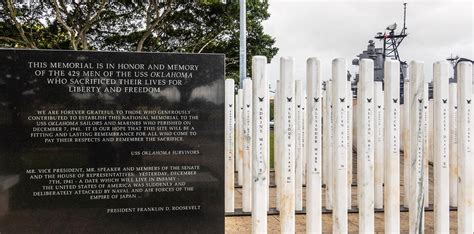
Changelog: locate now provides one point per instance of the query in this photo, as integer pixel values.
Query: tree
(134, 25)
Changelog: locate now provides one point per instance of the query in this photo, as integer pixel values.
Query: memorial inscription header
(111, 142)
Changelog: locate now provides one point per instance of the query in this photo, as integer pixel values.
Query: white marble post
(430, 131)
(247, 153)
(465, 151)
(276, 143)
(303, 131)
(378, 149)
(323, 138)
(349, 144)
(323, 116)
(471, 172)
(406, 143)
(239, 135)
(229, 145)
(426, 150)
(313, 146)
(287, 199)
(416, 197)
(327, 144)
(260, 141)
(339, 154)
(453, 143)
(441, 146)
(392, 146)
(365, 146)
(299, 145)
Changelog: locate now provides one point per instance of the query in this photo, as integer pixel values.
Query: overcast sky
(341, 29)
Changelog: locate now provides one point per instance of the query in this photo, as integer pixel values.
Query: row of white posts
(313, 145)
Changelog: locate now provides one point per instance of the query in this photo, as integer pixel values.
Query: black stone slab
(111, 142)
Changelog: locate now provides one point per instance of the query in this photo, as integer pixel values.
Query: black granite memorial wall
(111, 142)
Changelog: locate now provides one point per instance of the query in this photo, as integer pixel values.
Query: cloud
(329, 30)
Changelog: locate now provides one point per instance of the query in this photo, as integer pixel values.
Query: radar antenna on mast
(391, 40)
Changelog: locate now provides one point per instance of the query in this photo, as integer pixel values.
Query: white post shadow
(406, 143)
(365, 146)
(260, 141)
(416, 197)
(441, 146)
(378, 149)
(327, 144)
(349, 144)
(276, 142)
(313, 147)
(453, 143)
(339, 154)
(247, 153)
(239, 125)
(465, 151)
(229, 145)
(426, 146)
(299, 145)
(392, 146)
(287, 196)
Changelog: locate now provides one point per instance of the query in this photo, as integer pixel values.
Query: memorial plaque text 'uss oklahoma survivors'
(108, 142)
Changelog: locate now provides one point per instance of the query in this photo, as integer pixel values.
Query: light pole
(243, 43)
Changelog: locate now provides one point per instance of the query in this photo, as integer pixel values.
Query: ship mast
(391, 40)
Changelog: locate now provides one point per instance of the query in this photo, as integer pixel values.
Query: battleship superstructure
(391, 41)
